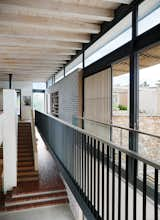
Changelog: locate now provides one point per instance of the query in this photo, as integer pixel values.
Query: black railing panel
(103, 187)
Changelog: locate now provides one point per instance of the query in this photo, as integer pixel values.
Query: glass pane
(148, 15)
(113, 39)
(38, 101)
(39, 85)
(18, 103)
(77, 63)
(149, 102)
(120, 102)
(59, 76)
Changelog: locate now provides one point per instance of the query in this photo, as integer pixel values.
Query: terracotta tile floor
(49, 177)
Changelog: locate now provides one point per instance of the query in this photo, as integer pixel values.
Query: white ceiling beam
(22, 57)
(59, 9)
(23, 42)
(48, 23)
(19, 72)
(35, 33)
(39, 51)
(119, 1)
(31, 61)
(30, 66)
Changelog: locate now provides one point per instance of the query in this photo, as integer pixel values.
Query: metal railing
(117, 126)
(35, 152)
(107, 190)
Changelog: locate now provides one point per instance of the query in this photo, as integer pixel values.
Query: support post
(134, 83)
(10, 81)
(9, 140)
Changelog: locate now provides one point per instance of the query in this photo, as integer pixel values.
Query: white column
(9, 140)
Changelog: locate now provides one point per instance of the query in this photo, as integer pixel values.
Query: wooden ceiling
(37, 37)
(147, 58)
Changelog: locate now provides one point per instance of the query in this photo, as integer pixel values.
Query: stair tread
(38, 204)
(29, 173)
(37, 197)
(27, 179)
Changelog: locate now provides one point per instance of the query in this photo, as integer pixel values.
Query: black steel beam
(148, 38)
(38, 90)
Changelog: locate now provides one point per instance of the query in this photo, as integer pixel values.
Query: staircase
(20, 201)
(26, 170)
(29, 194)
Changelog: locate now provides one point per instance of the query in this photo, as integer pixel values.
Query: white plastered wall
(26, 90)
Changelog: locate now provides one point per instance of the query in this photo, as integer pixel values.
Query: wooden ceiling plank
(35, 33)
(48, 23)
(23, 42)
(22, 56)
(119, 1)
(59, 9)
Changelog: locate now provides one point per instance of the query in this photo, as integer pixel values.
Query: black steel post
(64, 70)
(134, 108)
(10, 81)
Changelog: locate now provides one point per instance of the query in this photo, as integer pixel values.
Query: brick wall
(69, 96)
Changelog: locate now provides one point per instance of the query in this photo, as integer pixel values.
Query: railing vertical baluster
(91, 169)
(119, 185)
(102, 181)
(144, 190)
(82, 162)
(75, 155)
(98, 175)
(88, 168)
(156, 195)
(113, 184)
(135, 191)
(107, 183)
(85, 157)
(126, 190)
(95, 172)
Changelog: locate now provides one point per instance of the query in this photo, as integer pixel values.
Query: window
(149, 102)
(113, 39)
(148, 15)
(120, 102)
(59, 76)
(50, 82)
(38, 101)
(77, 63)
(55, 104)
(39, 85)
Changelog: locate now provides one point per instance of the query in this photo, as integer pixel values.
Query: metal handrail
(120, 127)
(130, 153)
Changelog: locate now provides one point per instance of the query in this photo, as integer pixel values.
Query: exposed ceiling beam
(23, 42)
(60, 9)
(119, 1)
(40, 51)
(19, 72)
(48, 23)
(34, 66)
(40, 57)
(30, 61)
(35, 33)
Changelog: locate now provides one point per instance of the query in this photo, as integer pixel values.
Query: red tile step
(36, 199)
